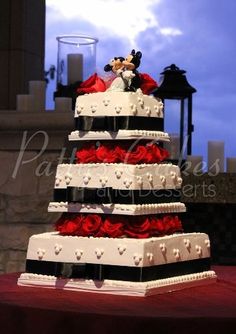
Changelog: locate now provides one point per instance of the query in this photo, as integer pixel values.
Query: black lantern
(174, 86)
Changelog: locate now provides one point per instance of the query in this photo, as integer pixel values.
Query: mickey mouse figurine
(132, 62)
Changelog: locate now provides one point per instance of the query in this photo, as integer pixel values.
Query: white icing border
(117, 209)
(139, 289)
(120, 135)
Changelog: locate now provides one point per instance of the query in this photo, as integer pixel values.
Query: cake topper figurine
(126, 77)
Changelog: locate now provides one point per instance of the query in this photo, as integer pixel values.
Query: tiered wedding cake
(119, 232)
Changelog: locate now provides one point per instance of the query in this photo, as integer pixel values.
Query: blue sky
(197, 35)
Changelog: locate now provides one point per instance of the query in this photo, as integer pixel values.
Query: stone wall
(31, 145)
(22, 44)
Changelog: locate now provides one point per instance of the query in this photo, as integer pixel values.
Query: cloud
(168, 31)
(121, 18)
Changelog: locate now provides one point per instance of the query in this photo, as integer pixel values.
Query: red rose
(157, 153)
(69, 224)
(91, 225)
(160, 153)
(93, 84)
(86, 154)
(172, 224)
(157, 226)
(139, 155)
(138, 227)
(121, 151)
(177, 224)
(106, 153)
(113, 227)
(147, 83)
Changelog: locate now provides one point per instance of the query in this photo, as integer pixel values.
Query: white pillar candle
(173, 147)
(24, 102)
(216, 157)
(74, 67)
(38, 89)
(63, 104)
(194, 164)
(231, 165)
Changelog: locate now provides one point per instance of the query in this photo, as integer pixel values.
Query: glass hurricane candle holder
(76, 58)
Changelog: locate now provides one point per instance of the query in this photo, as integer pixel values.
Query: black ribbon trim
(115, 196)
(112, 272)
(115, 123)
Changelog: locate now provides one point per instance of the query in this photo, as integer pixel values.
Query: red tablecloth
(206, 309)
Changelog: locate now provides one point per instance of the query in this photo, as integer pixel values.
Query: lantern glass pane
(185, 128)
(172, 116)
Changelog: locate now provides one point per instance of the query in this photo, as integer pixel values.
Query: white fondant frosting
(118, 209)
(118, 103)
(118, 176)
(118, 251)
(129, 252)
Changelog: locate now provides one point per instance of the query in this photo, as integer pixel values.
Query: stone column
(22, 30)
(31, 146)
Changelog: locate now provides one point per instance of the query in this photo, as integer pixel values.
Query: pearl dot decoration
(57, 248)
(78, 253)
(137, 258)
(187, 243)
(141, 101)
(198, 250)
(162, 247)
(118, 173)
(179, 181)
(127, 183)
(106, 102)
(133, 108)
(173, 175)
(148, 111)
(150, 257)
(40, 253)
(86, 179)
(58, 181)
(157, 110)
(118, 109)
(149, 177)
(121, 249)
(139, 180)
(99, 252)
(103, 181)
(161, 106)
(163, 180)
(176, 253)
(207, 243)
(68, 178)
(79, 108)
(93, 107)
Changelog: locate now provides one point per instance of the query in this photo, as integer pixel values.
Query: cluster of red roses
(96, 84)
(123, 152)
(116, 226)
